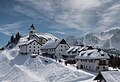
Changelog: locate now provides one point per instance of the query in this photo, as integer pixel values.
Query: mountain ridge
(106, 39)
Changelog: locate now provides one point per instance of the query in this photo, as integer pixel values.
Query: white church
(33, 44)
(40, 44)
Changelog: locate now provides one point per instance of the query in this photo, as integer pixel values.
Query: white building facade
(93, 60)
(30, 47)
(55, 48)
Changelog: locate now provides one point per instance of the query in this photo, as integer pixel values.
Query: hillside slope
(21, 68)
(15, 67)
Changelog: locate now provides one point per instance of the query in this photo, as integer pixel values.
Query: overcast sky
(58, 17)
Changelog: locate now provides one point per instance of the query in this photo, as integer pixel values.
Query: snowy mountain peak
(108, 39)
(105, 40)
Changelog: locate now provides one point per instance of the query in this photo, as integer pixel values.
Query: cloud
(77, 14)
(9, 29)
(58, 32)
(83, 15)
(110, 18)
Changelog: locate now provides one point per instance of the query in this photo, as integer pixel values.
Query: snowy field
(21, 68)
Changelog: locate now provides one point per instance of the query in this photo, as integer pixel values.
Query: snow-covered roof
(52, 44)
(76, 48)
(84, 47)
(27, 42)
(70, 49)
(46, 36)
(92, 54)
(73, 49)
(110, 76)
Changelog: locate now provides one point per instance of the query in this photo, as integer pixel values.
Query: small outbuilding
(108, 76)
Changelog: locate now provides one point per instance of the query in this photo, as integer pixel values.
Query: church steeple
(32, 26)
(32, 30)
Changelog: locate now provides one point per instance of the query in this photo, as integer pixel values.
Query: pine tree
(17, 37)
(12, 39)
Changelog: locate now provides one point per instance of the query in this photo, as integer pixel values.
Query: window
(102, 54)
(88, 54)
(102, 62)
(31, 31)
(82, 54)
(86, 67)
(90, 60)
(89, 67)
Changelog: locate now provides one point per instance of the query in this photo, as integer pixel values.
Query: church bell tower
(32, 30)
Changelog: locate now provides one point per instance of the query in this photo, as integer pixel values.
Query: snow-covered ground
(21, 68)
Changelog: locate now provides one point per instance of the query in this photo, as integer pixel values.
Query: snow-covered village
(59, 41)
(42, 57)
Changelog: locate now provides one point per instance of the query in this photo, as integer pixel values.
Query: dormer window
(102, 54)
(89, 54)
(82, 54)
